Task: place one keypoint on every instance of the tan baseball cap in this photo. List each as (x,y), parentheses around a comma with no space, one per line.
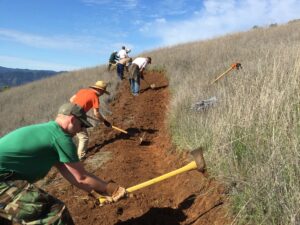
(102,85)
(75,110)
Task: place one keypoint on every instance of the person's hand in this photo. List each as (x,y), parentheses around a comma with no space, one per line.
(106,123)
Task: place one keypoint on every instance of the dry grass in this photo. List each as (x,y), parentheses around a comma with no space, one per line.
(251,136)
(39,101)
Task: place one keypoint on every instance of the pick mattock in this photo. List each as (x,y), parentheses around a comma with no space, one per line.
(233,66)
(152,86)
(198,164)
(119,129)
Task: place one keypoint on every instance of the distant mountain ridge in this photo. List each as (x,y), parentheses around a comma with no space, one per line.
(13,77)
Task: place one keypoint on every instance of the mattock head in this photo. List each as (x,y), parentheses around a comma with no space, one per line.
(152,86)
(199,159)
(141,139)
(237,66)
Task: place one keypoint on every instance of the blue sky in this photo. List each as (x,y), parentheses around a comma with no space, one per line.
(73,34)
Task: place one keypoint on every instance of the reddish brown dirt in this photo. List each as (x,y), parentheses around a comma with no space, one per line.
(188,198)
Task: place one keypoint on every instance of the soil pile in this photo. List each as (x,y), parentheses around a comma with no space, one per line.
(188,198)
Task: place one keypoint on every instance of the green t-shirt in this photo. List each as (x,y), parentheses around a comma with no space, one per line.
(31,151)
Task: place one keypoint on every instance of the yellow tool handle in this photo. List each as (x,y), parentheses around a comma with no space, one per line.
(114,127)
(119,129)
(192,165)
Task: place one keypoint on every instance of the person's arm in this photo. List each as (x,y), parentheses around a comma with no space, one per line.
(78,176)
(72,98)
(143,66)
(142,71)
(98,115)
(116,58)
(145,63)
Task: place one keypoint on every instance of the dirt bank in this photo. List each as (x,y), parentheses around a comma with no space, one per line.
(188,198)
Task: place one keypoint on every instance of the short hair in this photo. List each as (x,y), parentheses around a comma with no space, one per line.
(149,59)
(123,47)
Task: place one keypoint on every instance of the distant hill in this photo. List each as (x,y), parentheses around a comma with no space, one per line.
(13,77)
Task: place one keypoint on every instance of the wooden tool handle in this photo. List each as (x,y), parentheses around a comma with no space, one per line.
(114,127)
(119,129)
(227,71)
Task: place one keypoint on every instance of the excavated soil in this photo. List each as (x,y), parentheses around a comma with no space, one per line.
(188,198)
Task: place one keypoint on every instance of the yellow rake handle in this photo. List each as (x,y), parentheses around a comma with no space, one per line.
(119,129)
(192,165)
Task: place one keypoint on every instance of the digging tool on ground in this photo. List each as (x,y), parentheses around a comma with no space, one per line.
(141,139)
(198,163)
(204,104)
(152,86)
(233,66)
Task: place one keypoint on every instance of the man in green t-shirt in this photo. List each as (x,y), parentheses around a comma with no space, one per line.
(28,153)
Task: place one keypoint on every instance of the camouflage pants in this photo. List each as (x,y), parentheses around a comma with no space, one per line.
(23,203)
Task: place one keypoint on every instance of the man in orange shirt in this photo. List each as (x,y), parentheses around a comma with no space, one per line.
(89,99)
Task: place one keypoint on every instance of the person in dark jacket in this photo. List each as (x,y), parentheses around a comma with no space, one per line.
(113,59)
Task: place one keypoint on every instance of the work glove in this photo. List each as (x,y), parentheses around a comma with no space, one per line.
(119,194)
(106,123)
(115,191)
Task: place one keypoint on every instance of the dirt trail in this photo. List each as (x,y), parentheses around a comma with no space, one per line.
(188,198)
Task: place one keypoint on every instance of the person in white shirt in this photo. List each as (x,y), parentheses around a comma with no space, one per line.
(136,73)
(123,53)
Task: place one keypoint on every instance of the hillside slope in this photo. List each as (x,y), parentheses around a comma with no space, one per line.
(188,198)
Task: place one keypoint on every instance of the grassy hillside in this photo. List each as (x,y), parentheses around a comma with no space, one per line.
(250,136)
(39,101)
